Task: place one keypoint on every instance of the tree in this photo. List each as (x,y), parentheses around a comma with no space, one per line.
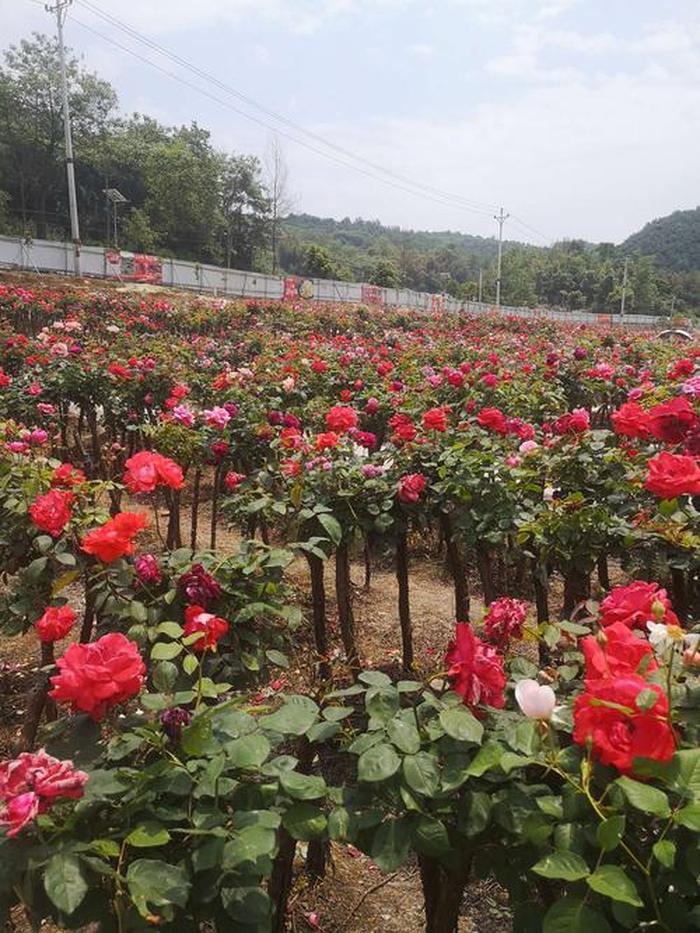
(243,208)
(319,263)
(385,274)
(280,200)
(31,129)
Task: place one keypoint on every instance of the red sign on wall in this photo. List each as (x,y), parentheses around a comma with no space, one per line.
(371,294)
(134,267)
(291,288)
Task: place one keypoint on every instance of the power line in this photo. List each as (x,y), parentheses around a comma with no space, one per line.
(300,142)
(469,204)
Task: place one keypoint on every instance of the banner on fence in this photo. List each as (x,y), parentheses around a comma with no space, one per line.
(134,267)
(371,294)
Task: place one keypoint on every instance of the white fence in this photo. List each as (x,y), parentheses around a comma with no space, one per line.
(54,256)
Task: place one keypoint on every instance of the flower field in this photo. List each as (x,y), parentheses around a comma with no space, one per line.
(220,526)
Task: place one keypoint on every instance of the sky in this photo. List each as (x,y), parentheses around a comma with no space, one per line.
(580,117)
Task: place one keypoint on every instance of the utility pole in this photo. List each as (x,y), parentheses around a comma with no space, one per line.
(481,283)
(501,218)
(624,291)
(59,9)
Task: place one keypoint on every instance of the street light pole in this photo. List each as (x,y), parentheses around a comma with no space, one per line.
(501,218)
(60,10)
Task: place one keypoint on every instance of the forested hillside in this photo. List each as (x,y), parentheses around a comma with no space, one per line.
(674,241)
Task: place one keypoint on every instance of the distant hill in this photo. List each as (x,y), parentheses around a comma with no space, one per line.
(674,241)
(363,234)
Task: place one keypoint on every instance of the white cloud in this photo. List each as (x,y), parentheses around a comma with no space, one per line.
(421,50)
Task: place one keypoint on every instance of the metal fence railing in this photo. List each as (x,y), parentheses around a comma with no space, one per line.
(95,261)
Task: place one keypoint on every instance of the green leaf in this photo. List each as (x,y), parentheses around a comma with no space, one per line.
(612,882)
(148,834)
(378,763)
(190,664)
(375,679)
(430,837)
(171,629)
(197,738)
(248,845)
(64,882)
(567,866)
(475,813)
(404,736)
(573,915)
(486,758)
(164,676)
(609,832)
(689,816)
(276,657)
(646,699)
(644,797)
(391,844)
(248,752)
(687,765)
(166,650)
(152,881)
(421,773)
(249,907)
(297,715)
(460,724)
(337,713)
(304,821)
(332,527)
(302,786)
(665,852)
(382,703)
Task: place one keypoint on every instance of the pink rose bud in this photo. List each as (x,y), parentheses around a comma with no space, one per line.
(535,700)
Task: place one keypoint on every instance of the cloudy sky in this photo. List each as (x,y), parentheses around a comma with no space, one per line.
(581,117)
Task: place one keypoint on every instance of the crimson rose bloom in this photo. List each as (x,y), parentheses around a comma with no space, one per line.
(233,480)
(411,486)
(146,470)
(114,539)
(574,422)
(475,669)
(55,623)
(636,604)
(197,619)
(672,475)
(615,652)
(631,420)
(504,620)
(621,731)
(435,420)
(52,511)
(341,418)
(493,419)
(96,676)
(67,475)
(671,421)
(326,440)
(404,429)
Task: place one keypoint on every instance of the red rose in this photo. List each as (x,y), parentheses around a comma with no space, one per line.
(42,774)
(326,441)
(617,651)
(18,812)
(52,511)
(475,669)
(146,470)
(68,475)
(114,539)
(404,429)
(341,418)
(672,475)
(504,620)
(493,419)
(670,421)
(435,420)
(233,480)
(197,619)
(631,420)
(636,604)
(608,716)
(575,422)
(411,486)
(55,623)
(95,677)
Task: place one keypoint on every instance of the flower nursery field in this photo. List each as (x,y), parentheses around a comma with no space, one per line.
(317,617)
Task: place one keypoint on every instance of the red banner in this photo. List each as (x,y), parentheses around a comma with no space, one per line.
(371,294)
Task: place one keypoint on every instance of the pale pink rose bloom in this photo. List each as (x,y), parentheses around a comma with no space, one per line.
(536,701)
